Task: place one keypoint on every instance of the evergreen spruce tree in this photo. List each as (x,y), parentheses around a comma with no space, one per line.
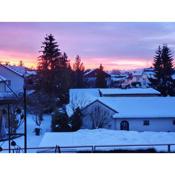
(47,62)
(78,69)
(63,79)
(60,121)
(100,78)
(163,66)
(76,120)
(54,70)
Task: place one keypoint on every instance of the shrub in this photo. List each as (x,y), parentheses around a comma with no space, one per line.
(60,121)
(76,120)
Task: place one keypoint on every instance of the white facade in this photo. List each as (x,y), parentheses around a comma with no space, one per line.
(3,82)
(2,86)
(15,80)
(101,108)
(141,77)
(95,113)
(154,123)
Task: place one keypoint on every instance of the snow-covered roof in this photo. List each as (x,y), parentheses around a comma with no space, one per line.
(88,72)
(30,72)
(82,92)
(82,97)
(150,69)
(141,107)
(85,137)
(137,73)
(118,77)
(118,91)
(2,78)
(20,70)
(114,79)
(93,72)
(149,74)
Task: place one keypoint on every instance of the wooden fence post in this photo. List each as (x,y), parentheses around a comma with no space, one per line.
(93,149)
(57,149)
(169,148)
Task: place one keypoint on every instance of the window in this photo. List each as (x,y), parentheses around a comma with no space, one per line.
(173,122)
(9,82)
(124,125)
(146,122)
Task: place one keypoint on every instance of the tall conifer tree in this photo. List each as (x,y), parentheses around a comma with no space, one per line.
(163,66)
(54,70)
(47,63)
(101,78)
(78,69)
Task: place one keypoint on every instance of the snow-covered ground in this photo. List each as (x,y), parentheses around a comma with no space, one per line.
(106,137)
(85,137)
(32,139)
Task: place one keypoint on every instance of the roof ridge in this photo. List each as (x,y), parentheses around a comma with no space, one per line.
(11,69)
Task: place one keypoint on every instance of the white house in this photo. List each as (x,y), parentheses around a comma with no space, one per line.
(131,113)
(13,78)
(136,79)
(124,109)
(139,78)
(118,79)
(3,82)
(82,97)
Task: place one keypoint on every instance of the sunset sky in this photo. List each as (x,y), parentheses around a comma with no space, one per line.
(115,45)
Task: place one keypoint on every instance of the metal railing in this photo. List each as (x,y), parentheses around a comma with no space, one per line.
(91,148)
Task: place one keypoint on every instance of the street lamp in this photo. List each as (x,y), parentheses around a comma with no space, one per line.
(25,120)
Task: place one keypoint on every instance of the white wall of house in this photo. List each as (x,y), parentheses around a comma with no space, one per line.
(2,86)
(16,81)
(104,111)
(155,124)
(135,124)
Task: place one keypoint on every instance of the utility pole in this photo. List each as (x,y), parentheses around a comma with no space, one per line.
(25,121)
(9,127)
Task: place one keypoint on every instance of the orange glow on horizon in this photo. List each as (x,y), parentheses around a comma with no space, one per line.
(120,64)
(30,61)
(14,58)
(15,61)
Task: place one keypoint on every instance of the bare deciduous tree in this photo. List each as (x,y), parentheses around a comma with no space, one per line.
(99,118)
(79,101)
